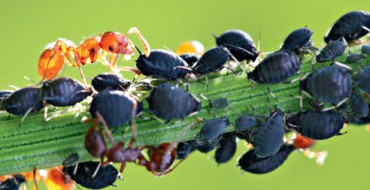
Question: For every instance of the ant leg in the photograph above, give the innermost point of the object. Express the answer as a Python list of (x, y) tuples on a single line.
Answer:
[(133, 119), (123, 166), (106, 129), (78, 64), (169, 170), (124, 68), (34, 179), (145, 43)]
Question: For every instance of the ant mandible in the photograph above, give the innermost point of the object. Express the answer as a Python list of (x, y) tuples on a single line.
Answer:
[(161, 158), (53, 58)]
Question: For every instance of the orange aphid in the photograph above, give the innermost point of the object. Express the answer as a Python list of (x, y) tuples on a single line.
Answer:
[(57, 181), (194, 47), (303, 142)]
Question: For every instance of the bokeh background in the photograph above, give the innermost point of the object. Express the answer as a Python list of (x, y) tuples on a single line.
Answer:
[(27, 26)]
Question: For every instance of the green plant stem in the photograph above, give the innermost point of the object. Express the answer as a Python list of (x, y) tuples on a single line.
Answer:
[(45, 145)]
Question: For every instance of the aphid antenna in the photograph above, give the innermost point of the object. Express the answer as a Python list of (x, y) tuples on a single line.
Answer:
[(138, 50), (335, 106), (366, 28), (14, 87), (168, 49), (342, 65), (28, 79)]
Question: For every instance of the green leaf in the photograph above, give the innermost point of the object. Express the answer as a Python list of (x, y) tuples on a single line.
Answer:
[(45, 145)]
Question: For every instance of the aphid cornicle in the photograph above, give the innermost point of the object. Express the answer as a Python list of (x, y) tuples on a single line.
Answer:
[(226, 149), (212, 130), (249, 162), (316, 124), (162, 64), (331, 84), (63, 92), (109, 81), (298, 40), (350, 26), (239, 43), (24, 101), (276, 68), (269, 136), (331, 51), (169, 102), (105, 176), (115, 106), (363, 79)]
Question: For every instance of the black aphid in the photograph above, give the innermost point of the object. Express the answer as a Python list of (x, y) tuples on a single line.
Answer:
[(316, 124), (298, 41), (115, 106), (331, 51), (239, 43), (64, 92), (269, 136), (190, 58), (162, 64), (24, 101), (350, 26), (226, 149), (170, 102), (276, 68), (363, 79), (212, 130), (105, 176), (109, 81), (250, 163), (331, 84)]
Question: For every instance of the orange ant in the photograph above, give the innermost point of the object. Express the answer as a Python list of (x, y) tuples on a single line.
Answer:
[(53, 58)]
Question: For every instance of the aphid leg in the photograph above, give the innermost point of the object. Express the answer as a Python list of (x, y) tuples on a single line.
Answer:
[(96, 170), (336, 105), (271, 93), (145, 43), (24, 117)]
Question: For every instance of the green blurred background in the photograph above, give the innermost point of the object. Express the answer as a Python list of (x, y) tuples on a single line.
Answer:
[(27, 26)]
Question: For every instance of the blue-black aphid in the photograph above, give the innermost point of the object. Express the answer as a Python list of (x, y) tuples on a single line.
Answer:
[(299, 41), (23, 102), (212, 60), (331, 51), (350, 26), (162, 64), (226, 149), (190, 58), (183, 149), (268, 138), (110, 81), (276, 68), (359, 105), (64, 92), (239, 43), (249, 162), (115, 106), (245, 126), (354, 58), (363, 79), (83, 174), (331, 84), (316, 124), (13, 183), (169, 102), (212, 130)]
